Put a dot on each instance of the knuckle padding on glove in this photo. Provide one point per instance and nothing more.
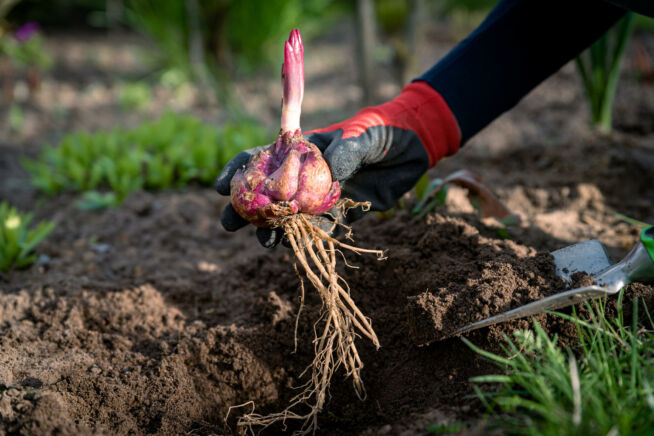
(390, 169)
(323, 139)
(346, 156)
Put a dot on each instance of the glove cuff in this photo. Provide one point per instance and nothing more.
(419, 108)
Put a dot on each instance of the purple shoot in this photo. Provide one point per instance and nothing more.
(292, 82)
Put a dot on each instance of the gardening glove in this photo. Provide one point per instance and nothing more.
(377, 156)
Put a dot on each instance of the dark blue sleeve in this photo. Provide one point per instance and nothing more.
(519, 44)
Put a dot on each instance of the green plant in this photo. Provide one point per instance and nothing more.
(468, 5)
(431, 193)
(456, 427)
(602, 386)
(599, 68)
(16, 118)
(173, 151)
(165, 22)
(17, 239)
(136, 95)
(94, 200)
(26, 49)
(226, 33)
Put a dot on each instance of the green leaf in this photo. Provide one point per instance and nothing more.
(17, 239)
(93, 200)
(421, 186)
(35, 237)
(456, 427)
(435, 189)
(173, 151)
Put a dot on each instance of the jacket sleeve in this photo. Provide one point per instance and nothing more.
(519, 44)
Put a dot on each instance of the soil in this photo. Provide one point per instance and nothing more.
(151, 319)
(464, 268)
(580, 279)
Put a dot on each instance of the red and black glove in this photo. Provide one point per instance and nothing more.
(377, 155)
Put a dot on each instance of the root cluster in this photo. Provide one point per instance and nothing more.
(335, 331)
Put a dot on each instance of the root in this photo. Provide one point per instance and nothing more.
(340, 322)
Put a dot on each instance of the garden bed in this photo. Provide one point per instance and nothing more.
(149, 318)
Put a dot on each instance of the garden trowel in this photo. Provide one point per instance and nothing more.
(591, 258)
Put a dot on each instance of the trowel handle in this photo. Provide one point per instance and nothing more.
(647, 238)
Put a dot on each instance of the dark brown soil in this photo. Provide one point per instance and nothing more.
(151, 319)
(145, 321)
(580, 279)
(492, 276)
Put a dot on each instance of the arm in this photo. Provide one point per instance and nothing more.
(519, 44)
(381, 152)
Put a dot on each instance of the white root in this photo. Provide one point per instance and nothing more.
(334, 343)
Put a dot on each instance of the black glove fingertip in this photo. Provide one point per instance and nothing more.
(225, 177)
(231, 220)
(269, 238)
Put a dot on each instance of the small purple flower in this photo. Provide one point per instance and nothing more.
(26, 31)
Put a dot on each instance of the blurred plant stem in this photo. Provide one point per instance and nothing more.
(197, 60)
(401, 24)
(195, 42)
(599, 68)
(366, 46)
(19, 238)
(414, 32)
(114, 13)
(6, 73)
(215, 42)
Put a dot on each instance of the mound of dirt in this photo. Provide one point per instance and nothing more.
(491, 276)
(150, 319)
(144, 321)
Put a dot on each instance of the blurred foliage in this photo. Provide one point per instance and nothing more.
(134, 95)
(465, 15)
(431, 193)
(25, 49)
(164, 22)
(392, 15)
(16, 118)
(467, 5)
(235, 34)
(447, 429)
(21, 50)
(31, 53)
(644, 23)
(172, 151)
(17, 239)
(256, 34)
(211, 42)
(94, 200)
(599, 68)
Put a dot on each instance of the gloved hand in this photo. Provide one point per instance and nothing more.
(377, 155)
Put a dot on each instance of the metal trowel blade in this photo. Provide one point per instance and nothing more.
(588, 256)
